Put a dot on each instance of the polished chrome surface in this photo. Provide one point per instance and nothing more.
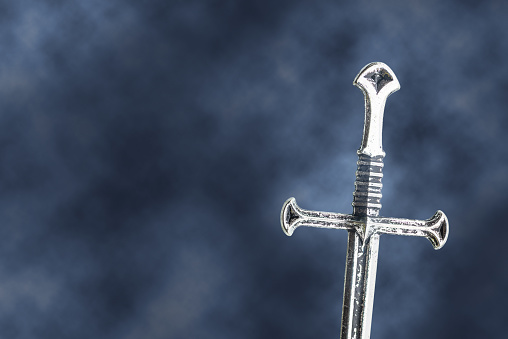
(377, 81)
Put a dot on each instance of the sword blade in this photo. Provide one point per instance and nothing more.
(359, 286)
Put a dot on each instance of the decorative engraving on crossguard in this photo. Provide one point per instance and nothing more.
(377, 81)
(435, 229)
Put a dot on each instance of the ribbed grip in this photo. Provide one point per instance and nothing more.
(367, 194)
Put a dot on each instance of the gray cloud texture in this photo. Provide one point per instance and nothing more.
(147, 148)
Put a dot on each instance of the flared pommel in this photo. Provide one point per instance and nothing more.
(377, 81)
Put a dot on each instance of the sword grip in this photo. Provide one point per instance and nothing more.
(367, 194)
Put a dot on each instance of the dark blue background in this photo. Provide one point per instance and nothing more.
(146, 149)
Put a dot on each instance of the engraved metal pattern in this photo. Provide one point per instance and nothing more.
(435, 229)
(377, 81)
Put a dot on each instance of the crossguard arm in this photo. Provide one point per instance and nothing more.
(292, 216)
(435, 229)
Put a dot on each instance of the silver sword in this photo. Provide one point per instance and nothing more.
(377, 81)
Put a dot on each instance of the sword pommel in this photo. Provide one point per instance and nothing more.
(377, 81)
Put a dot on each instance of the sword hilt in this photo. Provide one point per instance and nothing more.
(377, 81)
(367, 194)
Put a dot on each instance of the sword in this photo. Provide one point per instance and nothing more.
(377, 81)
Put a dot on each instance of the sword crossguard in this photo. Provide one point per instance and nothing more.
(435, 229)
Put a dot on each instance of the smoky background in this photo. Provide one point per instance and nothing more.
(146, 149)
